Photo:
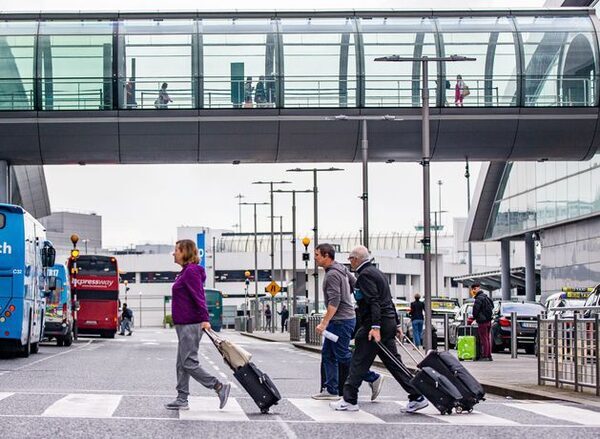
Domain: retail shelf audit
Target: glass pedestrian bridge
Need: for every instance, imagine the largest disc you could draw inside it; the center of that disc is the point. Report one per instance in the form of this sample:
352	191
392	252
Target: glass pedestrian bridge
254	60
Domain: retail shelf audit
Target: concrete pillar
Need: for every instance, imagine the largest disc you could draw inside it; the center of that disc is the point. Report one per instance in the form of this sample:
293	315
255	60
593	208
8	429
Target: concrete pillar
4	182
505	268
530	288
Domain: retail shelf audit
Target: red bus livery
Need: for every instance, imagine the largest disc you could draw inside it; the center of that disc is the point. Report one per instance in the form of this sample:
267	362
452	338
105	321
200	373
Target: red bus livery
96	286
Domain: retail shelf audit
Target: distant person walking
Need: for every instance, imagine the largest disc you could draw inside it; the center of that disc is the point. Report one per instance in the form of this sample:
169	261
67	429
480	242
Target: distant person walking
460	91
260	94
163	99
268	316
126	318
378	324
483	309
248	89
285	315
190	316
417	309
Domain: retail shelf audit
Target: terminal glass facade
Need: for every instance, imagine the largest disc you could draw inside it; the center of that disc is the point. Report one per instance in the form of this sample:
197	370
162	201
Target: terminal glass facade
538	195
240	60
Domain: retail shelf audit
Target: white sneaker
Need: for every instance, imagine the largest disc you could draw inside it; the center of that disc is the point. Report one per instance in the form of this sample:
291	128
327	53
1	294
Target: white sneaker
416	405
343	406
326	396
376	387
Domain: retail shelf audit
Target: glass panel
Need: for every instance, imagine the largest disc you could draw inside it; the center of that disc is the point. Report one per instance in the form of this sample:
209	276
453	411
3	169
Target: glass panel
319	65
562	204
573	193
157	71
560	61
397	84
490	80
17	71
75	65
240	64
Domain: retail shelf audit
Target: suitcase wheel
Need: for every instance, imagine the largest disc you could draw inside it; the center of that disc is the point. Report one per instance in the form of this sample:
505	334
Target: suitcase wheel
264	410
459	409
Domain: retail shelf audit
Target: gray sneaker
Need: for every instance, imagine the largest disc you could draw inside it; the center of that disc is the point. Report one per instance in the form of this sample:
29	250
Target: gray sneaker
376	387
326	396
178	404
416	405
223	393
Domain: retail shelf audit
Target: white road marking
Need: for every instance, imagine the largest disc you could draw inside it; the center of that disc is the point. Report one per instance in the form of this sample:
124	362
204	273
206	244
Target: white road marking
321	412
4	395
204	408
84	406
474	418
559	411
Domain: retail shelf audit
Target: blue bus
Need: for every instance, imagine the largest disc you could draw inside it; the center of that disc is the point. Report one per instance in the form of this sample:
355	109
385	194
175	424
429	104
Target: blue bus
24	256
59	318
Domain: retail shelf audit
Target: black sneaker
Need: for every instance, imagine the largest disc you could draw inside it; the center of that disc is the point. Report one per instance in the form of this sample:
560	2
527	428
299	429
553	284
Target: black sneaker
178	404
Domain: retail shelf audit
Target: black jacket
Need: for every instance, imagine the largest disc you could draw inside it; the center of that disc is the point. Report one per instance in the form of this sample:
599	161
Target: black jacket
374	298
416	310
482	301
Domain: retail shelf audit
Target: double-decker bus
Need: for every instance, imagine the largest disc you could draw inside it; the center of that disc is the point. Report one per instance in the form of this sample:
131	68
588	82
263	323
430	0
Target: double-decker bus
24	257
95	287
59	318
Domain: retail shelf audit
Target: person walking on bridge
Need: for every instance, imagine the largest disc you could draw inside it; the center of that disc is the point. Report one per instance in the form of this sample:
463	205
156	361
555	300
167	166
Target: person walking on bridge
378	325
190	315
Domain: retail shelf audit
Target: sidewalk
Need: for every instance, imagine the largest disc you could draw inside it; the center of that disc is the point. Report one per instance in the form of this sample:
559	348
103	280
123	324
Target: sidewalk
515	378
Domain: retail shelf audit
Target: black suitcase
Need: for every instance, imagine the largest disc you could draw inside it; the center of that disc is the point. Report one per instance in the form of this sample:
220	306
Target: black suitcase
446	364
437	389
258	385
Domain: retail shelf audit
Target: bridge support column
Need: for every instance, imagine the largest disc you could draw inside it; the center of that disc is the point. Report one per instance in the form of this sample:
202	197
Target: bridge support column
4	182
530	287
505	268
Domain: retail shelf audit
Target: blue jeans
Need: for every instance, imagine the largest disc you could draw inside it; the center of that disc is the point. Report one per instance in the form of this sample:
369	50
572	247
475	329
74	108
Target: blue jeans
339	353
417	326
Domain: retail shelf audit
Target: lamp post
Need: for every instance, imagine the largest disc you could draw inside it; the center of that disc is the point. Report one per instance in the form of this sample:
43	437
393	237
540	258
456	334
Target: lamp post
293	280
247	275
255	260
468	177
436	229
306	258
426	158
140	309
272	254
315	172
239	224
74	271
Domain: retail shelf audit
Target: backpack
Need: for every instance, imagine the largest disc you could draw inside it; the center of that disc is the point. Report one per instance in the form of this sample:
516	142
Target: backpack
487	309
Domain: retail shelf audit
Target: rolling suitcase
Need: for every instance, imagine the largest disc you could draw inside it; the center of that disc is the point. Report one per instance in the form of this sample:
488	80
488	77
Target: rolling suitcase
257	383
468	331
431	384
466	348
446	364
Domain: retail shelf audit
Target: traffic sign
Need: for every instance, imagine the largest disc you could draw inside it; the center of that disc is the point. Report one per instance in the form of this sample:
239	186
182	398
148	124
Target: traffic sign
273	288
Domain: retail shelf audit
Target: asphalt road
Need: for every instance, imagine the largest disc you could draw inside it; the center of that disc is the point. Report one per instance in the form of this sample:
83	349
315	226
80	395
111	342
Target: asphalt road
117	388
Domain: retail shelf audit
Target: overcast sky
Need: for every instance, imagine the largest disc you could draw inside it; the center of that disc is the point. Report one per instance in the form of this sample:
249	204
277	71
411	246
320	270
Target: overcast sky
142	204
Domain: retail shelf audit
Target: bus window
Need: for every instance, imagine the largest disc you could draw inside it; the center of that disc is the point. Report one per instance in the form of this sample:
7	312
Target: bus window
2	220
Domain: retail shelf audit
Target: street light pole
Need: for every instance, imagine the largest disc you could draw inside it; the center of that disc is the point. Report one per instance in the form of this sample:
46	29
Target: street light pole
294	254
468	177
436	227
255	260
426	158
315	171
239	197
365	182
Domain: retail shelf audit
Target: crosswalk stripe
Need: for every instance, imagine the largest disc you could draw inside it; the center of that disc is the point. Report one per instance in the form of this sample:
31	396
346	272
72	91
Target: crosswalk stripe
559	411
204	408
84	406
474	418
4	395
321	412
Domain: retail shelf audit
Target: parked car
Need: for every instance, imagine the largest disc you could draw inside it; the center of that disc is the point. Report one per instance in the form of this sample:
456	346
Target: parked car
403	309
439	308
527	313
565	299
592	300
466	310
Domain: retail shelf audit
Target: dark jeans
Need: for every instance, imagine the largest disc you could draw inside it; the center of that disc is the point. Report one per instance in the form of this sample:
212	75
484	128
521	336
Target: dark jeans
284	325
417	326
338	353
364	355
485	342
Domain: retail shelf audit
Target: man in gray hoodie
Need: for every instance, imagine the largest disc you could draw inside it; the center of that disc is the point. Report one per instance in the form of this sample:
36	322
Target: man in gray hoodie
339	319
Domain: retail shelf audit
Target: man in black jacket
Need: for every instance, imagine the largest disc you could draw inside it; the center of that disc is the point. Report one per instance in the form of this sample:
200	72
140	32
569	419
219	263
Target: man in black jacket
378	324
482	313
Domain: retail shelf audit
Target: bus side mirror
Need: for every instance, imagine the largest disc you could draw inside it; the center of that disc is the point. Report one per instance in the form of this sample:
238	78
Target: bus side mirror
48	255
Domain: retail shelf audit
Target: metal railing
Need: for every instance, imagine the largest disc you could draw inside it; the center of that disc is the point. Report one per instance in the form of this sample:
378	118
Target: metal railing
311	330
569	351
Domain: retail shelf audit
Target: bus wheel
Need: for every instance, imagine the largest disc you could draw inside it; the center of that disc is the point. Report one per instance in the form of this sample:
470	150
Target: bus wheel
26	350
60	341
68	340
35	348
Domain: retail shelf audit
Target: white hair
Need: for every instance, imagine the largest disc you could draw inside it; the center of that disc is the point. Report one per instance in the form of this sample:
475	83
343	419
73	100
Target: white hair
361	253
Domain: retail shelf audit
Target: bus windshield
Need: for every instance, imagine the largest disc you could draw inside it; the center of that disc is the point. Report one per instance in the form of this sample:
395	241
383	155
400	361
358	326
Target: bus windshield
96	266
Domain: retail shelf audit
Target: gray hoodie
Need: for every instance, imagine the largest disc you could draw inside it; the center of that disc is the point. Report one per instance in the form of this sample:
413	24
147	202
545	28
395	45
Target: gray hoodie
337	290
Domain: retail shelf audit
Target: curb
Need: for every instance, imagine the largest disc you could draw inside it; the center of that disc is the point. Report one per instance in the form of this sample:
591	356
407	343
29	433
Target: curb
263	338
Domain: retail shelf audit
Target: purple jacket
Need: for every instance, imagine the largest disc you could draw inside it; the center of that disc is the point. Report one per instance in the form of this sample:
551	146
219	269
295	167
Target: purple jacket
188	305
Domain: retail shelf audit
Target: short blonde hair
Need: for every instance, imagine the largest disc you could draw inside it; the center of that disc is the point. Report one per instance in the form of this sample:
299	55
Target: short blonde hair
189	250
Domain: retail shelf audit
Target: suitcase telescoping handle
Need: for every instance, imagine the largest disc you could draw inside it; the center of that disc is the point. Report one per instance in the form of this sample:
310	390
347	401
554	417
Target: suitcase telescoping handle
388	354
405	349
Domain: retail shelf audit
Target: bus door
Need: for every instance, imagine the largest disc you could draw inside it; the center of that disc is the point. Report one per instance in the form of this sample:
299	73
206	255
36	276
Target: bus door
11	310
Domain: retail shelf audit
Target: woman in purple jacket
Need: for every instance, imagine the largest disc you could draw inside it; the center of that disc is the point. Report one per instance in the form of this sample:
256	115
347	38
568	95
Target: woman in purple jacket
190	316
